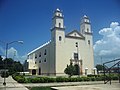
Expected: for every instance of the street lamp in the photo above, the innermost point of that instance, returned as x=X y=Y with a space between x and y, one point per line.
x=6 y=52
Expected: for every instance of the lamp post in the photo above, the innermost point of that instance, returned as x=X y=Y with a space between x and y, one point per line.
x=6 y=52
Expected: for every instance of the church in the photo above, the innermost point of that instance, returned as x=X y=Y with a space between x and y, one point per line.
x=75 y=47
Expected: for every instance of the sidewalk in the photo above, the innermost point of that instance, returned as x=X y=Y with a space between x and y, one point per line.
x=91 y=85
x=11 y=84
x=67 y=84
x=114 y=86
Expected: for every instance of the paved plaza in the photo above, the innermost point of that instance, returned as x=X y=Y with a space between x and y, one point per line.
x=13 y=85
x=114 y=86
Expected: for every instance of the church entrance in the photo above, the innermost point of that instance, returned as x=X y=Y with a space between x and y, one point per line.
x=78 y=66
x=33 y=72
x=77 y=69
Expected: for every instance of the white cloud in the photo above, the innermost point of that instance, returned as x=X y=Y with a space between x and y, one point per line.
x=13 y=53
x=114 y=25
x=109 y=46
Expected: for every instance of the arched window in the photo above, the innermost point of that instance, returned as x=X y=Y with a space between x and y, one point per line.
x=87 y=30
x=45 y=52
x=40 y=54
x=40 y=61
x=45 y=60
x=60 y=38
x=35 y=56
x=59 y=24
x=89 y=42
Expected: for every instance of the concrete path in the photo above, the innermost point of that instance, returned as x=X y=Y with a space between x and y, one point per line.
x=66 y=84
x=114 y=86
x=91 y=85
x=11 y=84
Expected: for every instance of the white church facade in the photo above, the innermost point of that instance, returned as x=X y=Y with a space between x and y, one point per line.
x=75 y=47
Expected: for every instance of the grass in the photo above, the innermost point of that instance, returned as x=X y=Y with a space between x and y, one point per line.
x=40 y=88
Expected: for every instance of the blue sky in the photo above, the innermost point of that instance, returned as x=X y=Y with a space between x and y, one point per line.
x=30 y=21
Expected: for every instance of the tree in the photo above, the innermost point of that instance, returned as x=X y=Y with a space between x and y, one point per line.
x=13 y=66
x=70 y=70
x=99 y=68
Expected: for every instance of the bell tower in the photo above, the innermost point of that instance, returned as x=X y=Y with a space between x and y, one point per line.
x=85 y=30
x=57 y=20
x=85 y=26
x=58 y=30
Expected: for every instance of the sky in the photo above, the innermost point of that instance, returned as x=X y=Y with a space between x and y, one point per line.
x=31 y=20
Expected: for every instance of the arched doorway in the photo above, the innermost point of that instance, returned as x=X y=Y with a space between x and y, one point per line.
x=77 y=69
x=33 y=72
x=39 y=71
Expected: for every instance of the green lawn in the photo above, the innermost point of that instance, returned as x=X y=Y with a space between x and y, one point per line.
x=40 y=88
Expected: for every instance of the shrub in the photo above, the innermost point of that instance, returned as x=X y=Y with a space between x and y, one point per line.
x=98 y=79
x=73 y=79
x=35 y=80
x=93 y=79
x=51 y=79
x=45 y=79
x=60 y=79
x=115 y=77
x=102 y=77
x=85 y=78
x=79 y=79
x=66 y=79
x=21 y=80
x=90 y=75
x=28 y=80
x=42 y=80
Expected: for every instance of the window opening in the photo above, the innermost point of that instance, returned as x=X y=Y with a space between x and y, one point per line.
x=45 y=52
x=89 y=42
x=40 y=61
x=35 y=56
x=60 y=38
x=76 y=56
x=45 y=60
x=40 y=54
x=87 y=30
x=76 y=44
x=59 y=24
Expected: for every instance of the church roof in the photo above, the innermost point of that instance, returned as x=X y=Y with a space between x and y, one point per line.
x=39 y=47
x=75 y=34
